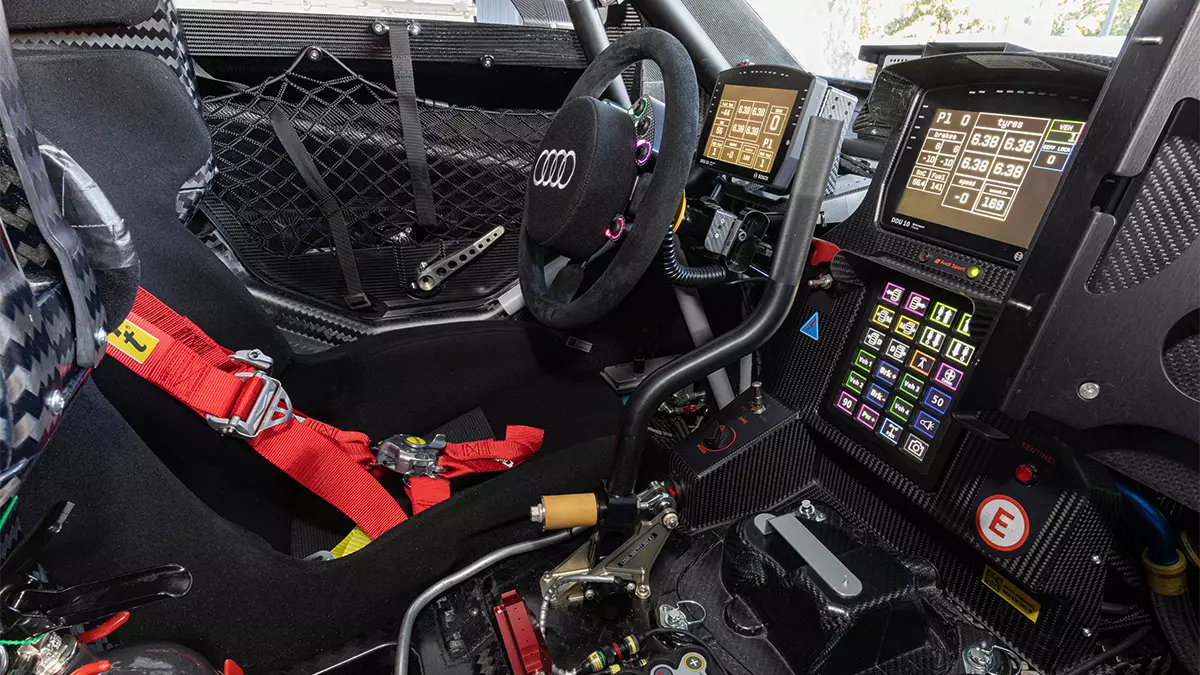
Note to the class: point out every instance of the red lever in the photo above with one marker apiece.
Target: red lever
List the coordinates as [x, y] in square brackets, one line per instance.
[93, 668]
[232, 668]
[102, 631]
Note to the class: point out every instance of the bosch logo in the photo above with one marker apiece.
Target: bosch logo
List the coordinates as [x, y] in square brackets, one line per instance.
[554, 168]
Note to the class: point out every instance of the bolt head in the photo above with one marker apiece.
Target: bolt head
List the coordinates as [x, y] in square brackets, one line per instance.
[590, 594]
[379, 28]
[642, 591]
[101, 337]
[1089, 391]
[1088, 632]
[1097, 559]
[547, 576]
[414, 29]
[671, 521]
[55, 402]
[487, 61]
[314, 54]
[631, 587]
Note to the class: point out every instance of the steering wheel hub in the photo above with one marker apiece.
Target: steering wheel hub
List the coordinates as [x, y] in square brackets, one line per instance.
[582, 177]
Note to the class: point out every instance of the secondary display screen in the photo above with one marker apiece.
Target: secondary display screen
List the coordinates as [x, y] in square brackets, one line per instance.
[983, 179]
[748, 127]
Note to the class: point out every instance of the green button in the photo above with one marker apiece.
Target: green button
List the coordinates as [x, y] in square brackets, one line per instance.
[901, 408]
[855, 381]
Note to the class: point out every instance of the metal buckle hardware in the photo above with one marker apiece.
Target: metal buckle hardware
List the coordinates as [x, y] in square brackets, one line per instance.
[411, 455]
[271, 408]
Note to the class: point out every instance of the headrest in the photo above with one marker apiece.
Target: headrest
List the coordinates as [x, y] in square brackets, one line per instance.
[26, 15]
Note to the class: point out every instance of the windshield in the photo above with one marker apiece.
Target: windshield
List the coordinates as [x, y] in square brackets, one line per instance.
[825, 35]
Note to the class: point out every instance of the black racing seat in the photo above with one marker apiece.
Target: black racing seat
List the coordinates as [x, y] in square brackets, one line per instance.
[154, 484]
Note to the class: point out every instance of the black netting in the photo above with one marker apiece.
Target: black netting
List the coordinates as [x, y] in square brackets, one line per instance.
[478, 159]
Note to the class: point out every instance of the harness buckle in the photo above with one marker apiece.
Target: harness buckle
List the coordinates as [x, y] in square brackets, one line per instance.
[411, 455]
[271, 408]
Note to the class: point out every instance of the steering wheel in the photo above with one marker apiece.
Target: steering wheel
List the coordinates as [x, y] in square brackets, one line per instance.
[583, 180]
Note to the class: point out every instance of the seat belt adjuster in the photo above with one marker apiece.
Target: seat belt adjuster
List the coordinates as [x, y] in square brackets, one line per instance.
[272, 406]
[411, 455]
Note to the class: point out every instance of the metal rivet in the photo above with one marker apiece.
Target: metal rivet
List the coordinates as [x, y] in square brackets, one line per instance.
[1089, 391]
[101, 337]
[1088, 632]
[379, 28]
[55, 402]
[314, 54]
[487, 61]
[1097, 560]
[414, 29]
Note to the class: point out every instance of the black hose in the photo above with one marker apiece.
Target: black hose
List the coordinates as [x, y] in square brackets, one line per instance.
[787, 268]
[1116, 650]
[680, 274]
[1178, 623]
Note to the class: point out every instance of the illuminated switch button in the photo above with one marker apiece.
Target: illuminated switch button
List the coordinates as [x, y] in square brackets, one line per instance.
[943, 314]
[883, 316]
[855, 381]
[888, 373]
[907, 327]
[912, 386]
[846, 403]
[960, 352]
[915, 446]
[927, 424]
[892, 293]
[897, 350]
[1025, 474]
[693, 661]
[873, 339]
[949, 376]
[964, 325]
[890, 431]
[921, 362]
[878, 395]
[917, 304]
[901, 408]
[933, 339]
[864, 359]
[867, 416]
[937, 400]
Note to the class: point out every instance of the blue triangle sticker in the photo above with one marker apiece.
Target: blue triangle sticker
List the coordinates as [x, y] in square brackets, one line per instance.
[812, 327]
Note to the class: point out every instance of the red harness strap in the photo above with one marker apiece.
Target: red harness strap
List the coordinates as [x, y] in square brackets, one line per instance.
[174, 354]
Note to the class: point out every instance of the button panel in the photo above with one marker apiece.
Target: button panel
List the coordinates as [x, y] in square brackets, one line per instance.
[906, 363]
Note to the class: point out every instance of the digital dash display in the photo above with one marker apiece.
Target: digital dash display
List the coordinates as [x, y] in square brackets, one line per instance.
[983, 179]
[748, 127]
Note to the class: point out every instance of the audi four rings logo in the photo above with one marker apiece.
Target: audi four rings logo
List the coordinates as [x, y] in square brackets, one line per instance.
[554, 168]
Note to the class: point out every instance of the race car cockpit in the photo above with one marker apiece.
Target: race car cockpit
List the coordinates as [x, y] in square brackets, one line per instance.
[592, 336]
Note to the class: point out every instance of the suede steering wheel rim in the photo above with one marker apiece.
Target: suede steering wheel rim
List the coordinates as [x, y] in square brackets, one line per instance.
[658, 206]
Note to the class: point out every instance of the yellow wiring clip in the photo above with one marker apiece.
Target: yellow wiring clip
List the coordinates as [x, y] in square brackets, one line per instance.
[679, 216]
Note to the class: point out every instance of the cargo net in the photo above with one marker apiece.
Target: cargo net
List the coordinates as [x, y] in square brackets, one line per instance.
[478, 160]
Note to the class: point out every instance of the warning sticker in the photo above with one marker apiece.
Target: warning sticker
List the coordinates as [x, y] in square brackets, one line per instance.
[1012, 594]
[133, 341]
[1002, 523]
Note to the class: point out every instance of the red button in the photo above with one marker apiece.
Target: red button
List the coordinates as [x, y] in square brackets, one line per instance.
[1025, 474]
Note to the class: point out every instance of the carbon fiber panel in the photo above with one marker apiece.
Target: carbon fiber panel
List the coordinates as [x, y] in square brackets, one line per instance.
[248, 34]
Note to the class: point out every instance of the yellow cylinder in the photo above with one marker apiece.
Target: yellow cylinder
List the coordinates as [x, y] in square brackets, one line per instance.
[563, 511]
[1166, 579]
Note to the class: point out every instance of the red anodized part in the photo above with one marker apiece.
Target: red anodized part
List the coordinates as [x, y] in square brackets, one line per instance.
[523, 642]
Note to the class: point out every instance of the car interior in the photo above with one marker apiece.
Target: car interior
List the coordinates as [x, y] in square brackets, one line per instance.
[560, 337]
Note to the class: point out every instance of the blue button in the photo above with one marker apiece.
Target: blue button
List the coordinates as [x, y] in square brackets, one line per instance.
[890, 431]
[927, 424]
[888, 372]
[937, 399]
[878, 395]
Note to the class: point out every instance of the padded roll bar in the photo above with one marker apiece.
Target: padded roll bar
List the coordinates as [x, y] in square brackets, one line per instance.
[787, 268]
